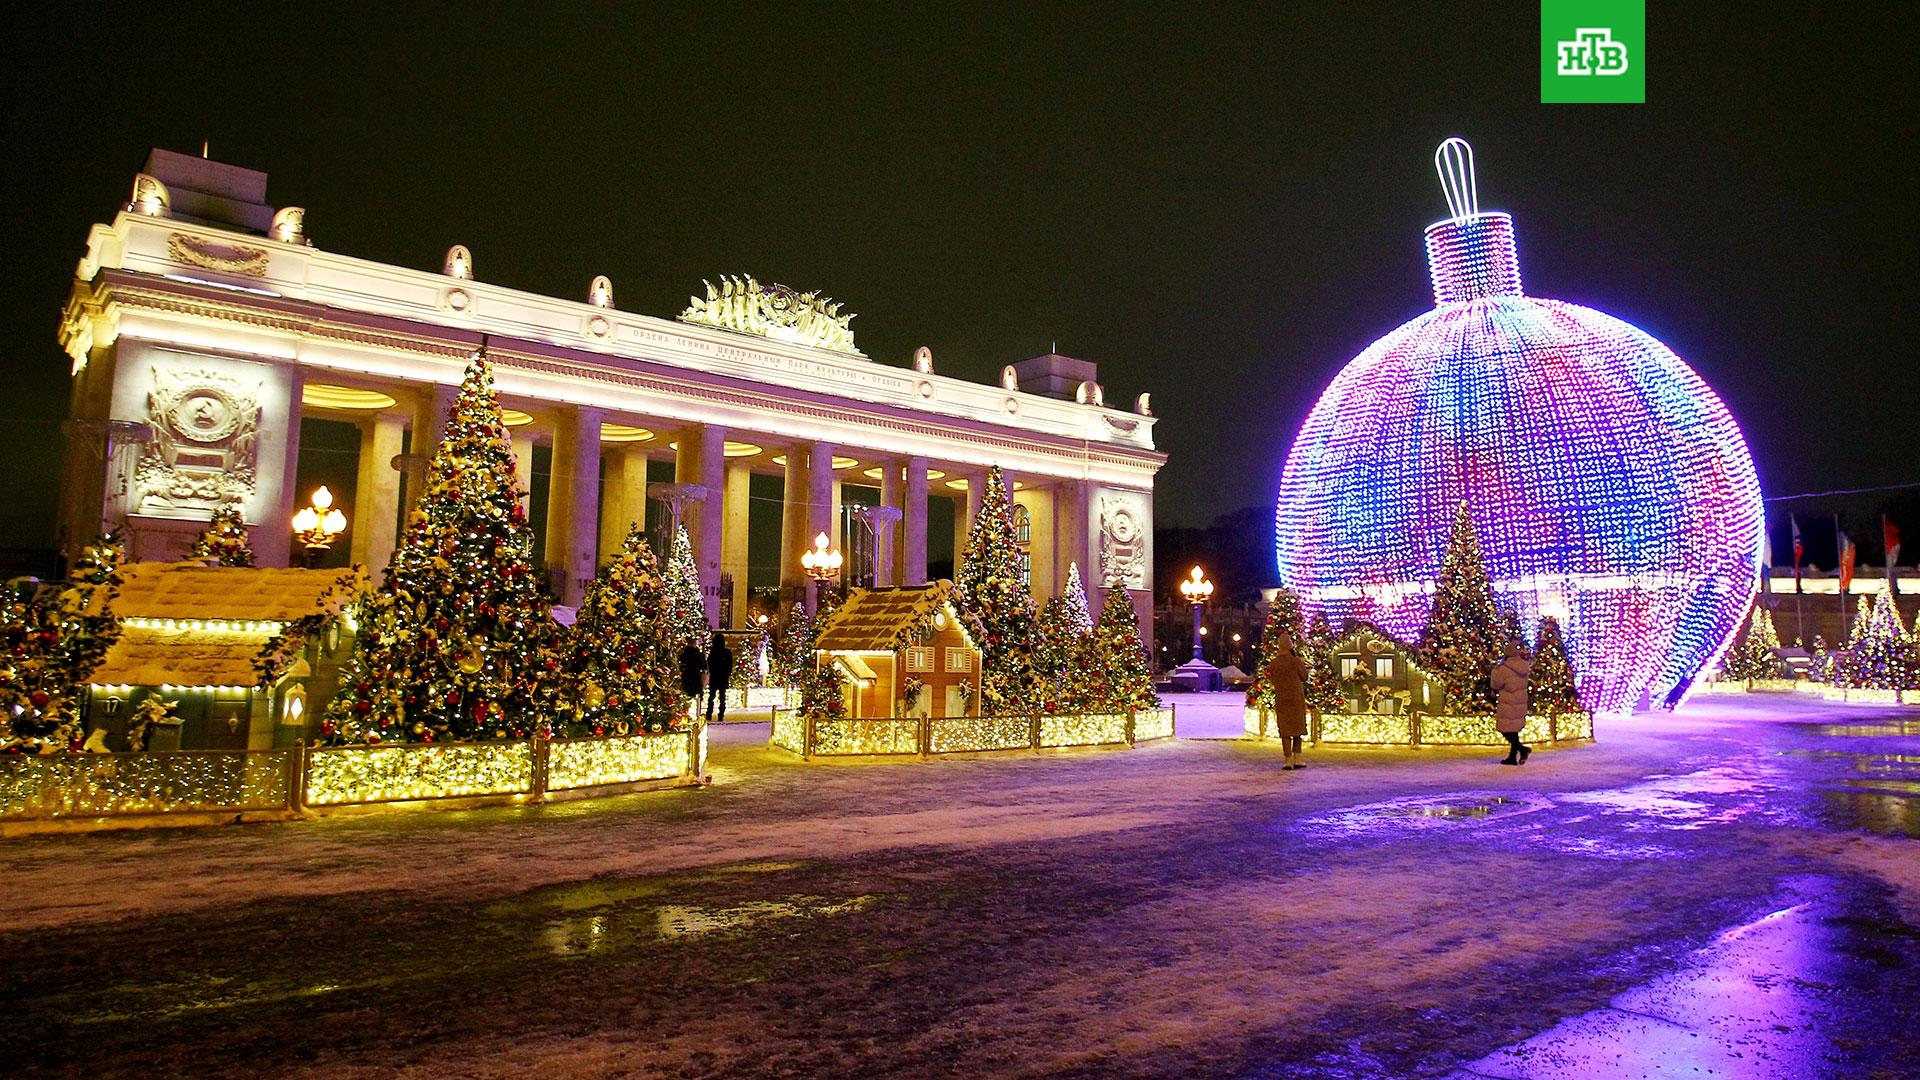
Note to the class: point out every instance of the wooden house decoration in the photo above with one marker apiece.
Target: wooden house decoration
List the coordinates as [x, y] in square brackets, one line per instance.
[904, 651]
[1381, 674]
[197, 635]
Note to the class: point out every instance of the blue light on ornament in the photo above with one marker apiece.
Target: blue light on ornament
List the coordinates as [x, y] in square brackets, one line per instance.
[1608, 484]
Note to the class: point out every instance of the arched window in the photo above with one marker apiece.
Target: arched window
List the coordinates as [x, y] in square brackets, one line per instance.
[1022, 525]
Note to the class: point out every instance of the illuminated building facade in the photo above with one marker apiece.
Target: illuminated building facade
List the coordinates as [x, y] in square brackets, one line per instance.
[1608, 484]
[204, 327]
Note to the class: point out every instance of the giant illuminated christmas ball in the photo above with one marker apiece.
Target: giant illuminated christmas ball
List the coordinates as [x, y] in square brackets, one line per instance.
[1608, 484]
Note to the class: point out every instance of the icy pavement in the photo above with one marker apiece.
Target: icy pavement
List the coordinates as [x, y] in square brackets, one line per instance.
[1732, 892]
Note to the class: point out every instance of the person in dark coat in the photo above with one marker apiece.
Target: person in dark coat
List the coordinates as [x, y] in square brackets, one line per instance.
[693, 668]
[1509, 680]
[719, 673]
[1286, 676]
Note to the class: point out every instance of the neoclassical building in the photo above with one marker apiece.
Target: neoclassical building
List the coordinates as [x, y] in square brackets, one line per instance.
[205, 328]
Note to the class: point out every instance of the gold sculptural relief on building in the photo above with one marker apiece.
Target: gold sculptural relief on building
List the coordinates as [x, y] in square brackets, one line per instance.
[205, 433]
[775, 311]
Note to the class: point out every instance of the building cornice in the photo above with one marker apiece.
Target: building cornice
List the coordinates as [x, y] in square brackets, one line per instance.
[334, 311]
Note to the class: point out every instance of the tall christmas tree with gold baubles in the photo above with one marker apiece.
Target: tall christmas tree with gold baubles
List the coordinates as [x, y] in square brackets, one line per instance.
[1466, 635]
[459, 642]
[993, 591]
[1120, 658]
[622, 660]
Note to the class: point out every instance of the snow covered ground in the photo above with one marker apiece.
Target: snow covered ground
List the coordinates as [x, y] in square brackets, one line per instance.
[1733, 891]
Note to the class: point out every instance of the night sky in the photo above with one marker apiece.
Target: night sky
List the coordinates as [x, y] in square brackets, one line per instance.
[1220, 208]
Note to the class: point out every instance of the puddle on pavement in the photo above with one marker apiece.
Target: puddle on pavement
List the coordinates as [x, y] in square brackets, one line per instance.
[1855, 729]
[607, 932]
[1887, 813]
[1684, 801]
[1461, 808]
[608, 892]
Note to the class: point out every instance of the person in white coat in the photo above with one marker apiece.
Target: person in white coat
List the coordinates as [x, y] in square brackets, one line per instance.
[1509, 681]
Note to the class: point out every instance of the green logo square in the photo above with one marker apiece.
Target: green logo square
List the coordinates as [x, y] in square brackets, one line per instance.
[1593, 51]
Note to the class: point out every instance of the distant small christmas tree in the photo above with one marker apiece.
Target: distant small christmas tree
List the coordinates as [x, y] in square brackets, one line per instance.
[224, 541]
[1123, 681]
[1464, 635]
[993, 592]
[819, 684]
[459, 643]
[792, 648]
[1882, 657]
[1551, 685]
[621, 660]
[1283, 620]
[1323, 674]
[1756, 655]
[686, 612]
[1862, 614]
[1066, 638]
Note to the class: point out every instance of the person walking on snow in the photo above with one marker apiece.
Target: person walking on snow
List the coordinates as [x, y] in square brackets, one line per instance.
[719, 674]
[1510, 715]
[1286, 678]
[693, 665]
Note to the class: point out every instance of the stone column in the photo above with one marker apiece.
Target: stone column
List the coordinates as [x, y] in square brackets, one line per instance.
[623, 495]
[376, 496]
[886, 539]
[823, 494]
[273, 538]
[964, 511]
[1071, 538]
[913, 523]
[430, 410]
[794, 518]
[573, 501]
[702, 459]
[523, 441]
[736, 508]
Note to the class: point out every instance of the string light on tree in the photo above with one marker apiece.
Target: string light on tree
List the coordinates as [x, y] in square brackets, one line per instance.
[1607, 481]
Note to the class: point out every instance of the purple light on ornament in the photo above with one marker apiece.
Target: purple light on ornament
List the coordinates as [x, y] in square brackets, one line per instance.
[1608, 484]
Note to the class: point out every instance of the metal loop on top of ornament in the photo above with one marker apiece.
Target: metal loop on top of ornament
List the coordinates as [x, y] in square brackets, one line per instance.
[1453, 160]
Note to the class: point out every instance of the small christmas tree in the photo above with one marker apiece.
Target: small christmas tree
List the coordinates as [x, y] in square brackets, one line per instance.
[993, 592]
[820, 684]
[1464, 637]
[1551, 687]
[225, 540]
[1122, 680]
[1882, 657]
[792, 648]
[1283, 620]
[686, 613]
[1755, 657]
[50, 642]
[1323, 675]
[621, 660]
[459, 642]
[1066, 636]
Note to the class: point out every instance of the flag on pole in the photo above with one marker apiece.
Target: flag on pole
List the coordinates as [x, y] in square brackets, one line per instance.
[1847, 557]
[1799, 549]
[1766, 557]
[1891, 534]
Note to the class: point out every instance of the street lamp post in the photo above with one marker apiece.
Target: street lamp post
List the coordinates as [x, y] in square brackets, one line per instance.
[821, 564]
[316, 525]
[1197, 589]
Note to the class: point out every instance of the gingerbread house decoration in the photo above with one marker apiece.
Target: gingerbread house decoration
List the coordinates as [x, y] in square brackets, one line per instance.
[904, 651]
[1381, 674]
[249, 655]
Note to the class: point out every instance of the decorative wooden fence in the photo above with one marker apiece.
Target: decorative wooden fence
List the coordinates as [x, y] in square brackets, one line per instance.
[294, 779]
[1425, 729]
[929, 736]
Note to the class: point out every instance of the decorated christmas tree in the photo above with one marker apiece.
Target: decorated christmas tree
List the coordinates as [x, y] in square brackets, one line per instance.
[1464, 636]
[622, 659]
[1061, 661]
[1123, 682]
[686, 613]
[792, 648]
[819, 684]
[1283, 620]
[50, 642]
[458, 643]
[1755, 656]
[1323, 674]
[1882, 657]
[993, 592]
[1551, 686]
[225, 540]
